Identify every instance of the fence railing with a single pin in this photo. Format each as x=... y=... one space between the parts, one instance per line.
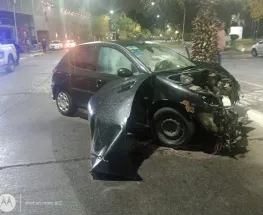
x=31 y=48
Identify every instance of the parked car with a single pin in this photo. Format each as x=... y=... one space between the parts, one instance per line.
x=55 y=45
x=69 y=44
x=7 y=58
x=131 y=86
x=257 y=49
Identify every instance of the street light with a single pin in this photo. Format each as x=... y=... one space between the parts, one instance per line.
x=183 y=24
x=14 y=8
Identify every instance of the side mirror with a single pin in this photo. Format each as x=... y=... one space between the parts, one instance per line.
x=123 y=72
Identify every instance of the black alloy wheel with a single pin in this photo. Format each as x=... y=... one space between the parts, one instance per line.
x=171 y=128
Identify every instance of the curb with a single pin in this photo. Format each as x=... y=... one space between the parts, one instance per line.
x=256 y=117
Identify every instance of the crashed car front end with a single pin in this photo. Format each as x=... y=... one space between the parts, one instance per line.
x=218 y=93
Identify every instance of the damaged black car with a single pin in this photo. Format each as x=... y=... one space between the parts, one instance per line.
x=132 y=86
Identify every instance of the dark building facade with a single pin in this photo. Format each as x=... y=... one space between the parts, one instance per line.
x=36 y=20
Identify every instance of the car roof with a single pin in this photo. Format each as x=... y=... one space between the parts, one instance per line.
x=118 y=42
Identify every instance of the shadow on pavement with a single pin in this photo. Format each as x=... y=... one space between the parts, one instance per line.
x=140 y=153
x=203 y=141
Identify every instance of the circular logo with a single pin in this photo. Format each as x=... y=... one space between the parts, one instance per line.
x=7 y=202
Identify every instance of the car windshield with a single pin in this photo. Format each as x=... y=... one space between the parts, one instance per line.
x=159 y=58
x=55 y=42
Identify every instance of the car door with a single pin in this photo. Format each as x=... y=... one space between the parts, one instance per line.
x=110 y=60
x=83 y=69
x=260 y=47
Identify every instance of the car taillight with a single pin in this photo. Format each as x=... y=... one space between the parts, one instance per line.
x=54 y=70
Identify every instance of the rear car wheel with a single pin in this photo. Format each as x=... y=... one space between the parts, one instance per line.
x=171 y=128
x=10 y=64
x=65 y=104
x=254 y=53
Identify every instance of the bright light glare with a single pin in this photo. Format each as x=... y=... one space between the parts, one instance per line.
x=111 y=12
x=158 y=16
x=153 y=3
x=176 y=32
x=161 y=35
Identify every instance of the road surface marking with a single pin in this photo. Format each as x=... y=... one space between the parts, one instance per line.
x=256 y=116
x=256 y=85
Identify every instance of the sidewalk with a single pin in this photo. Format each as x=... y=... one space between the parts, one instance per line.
x=30 y=54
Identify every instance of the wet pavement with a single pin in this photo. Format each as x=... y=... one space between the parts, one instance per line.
x=45 y=162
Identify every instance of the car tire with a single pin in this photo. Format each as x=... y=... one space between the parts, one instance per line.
x=65 y=104
x=171 y=128
x=254 y=53
x=10 y=64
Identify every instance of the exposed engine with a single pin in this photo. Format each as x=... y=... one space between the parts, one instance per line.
x=211 y=83
x=220 y=92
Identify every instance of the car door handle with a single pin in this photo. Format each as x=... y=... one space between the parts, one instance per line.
x=126 y=86
x=98 y=81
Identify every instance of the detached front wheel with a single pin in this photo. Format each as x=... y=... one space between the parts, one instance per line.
x=171 y=128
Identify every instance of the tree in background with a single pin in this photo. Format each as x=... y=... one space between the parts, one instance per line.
x=146 y=34
x=125 y=26
x=205 y=28
x=256 y=8
x=100 y=27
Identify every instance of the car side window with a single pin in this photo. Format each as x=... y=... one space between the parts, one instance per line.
x=83 y=57
x=111 y=60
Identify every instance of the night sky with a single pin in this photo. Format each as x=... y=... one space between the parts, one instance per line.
x=122 y=5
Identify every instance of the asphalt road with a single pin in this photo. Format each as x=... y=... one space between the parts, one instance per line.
x=45 y=163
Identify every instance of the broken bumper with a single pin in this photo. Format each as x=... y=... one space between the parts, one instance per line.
x=224 y=122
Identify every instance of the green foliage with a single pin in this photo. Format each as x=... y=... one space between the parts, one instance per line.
x=256 y=8
x=146 y=34
x=100 y=27
x=125 y=26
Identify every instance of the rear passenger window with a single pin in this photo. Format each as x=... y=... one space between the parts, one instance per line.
x=83 y=57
